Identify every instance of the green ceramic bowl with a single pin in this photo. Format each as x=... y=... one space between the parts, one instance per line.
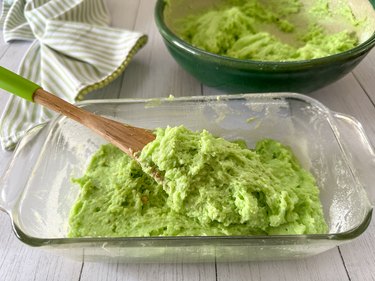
x=236 y=75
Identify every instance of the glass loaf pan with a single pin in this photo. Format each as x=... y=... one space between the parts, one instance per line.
x=37 y=193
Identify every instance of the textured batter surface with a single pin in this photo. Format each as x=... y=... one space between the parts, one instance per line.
x=211 y=187
x=269 y=30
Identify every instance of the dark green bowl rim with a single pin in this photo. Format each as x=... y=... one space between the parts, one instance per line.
x=173 y=39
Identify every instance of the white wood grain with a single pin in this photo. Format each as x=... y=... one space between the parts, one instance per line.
x=18 y=261
x=3 y=46
x=21 y=262
x=365 y=74
x=354 y=99
x=111 y=91
x=326 y=266
x=175 y=272
x=123 y=15
x=154 y=73
x=359 y=256
x=347 y=96
x=9 y=58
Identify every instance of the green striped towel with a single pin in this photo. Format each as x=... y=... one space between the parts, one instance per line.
x=74 y=51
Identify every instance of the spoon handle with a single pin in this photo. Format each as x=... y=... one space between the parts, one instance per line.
x=30 y=91
x=16 y=84
x=59 y=105
x=128 y=138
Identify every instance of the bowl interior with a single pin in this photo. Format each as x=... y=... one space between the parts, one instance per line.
x=362 y=10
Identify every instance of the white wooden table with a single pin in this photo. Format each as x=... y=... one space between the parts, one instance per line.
x=153 y=73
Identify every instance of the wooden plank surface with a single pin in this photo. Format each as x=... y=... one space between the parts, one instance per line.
x=154 y=73
x=18 y=261
x=326 y=266
x=356 y=97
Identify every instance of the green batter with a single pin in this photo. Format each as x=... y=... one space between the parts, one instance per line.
x=210 y=187
x=270 y=30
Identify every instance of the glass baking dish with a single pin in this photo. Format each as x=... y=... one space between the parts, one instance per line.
x=37 y=193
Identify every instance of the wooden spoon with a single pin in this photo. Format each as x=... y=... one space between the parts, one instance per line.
x=128 y=138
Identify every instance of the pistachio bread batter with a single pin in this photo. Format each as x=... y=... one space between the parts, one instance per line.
x=271 y=30
x=210 y=187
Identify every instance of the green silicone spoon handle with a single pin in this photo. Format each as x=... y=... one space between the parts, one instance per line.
x=15 y=84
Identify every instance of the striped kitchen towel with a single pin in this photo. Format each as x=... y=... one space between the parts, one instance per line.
x=74 y=51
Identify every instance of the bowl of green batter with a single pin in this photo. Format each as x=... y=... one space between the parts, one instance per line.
x=266 y=45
